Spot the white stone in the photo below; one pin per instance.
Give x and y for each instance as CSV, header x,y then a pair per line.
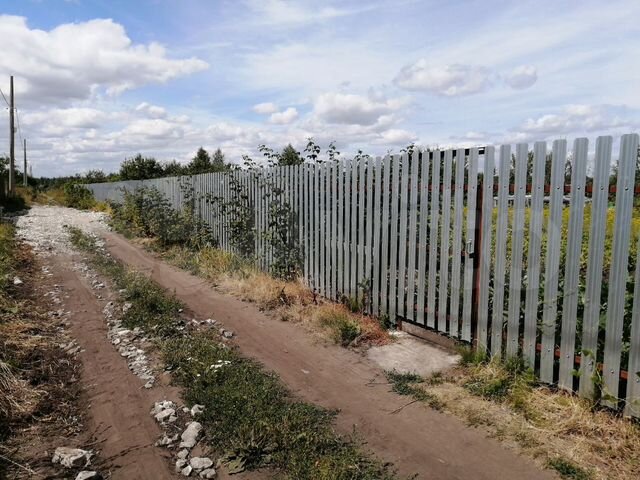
x,y
183,454
165,414
180,464
88,475
197,410
190,435
208,473
72,457
200,463
186,471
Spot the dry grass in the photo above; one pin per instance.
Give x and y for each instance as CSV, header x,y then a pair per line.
x,y
287,300
558,429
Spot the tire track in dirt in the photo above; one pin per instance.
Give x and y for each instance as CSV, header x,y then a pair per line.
x,y
416,439
118,405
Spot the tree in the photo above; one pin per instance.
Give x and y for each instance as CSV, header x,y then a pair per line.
x,y
172,169
95,176
290,156
140,168
201,163
217,162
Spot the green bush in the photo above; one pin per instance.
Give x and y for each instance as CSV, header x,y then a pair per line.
x,y
77,195
146,212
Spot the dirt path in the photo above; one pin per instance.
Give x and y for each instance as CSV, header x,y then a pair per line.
x,y
118,404
118,424
416,439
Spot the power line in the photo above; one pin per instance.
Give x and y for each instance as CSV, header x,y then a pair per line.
x,y
19,129
5,98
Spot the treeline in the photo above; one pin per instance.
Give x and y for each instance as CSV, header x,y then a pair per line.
x,y
135,168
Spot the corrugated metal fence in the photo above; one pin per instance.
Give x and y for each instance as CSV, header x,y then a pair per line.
x,y
522,253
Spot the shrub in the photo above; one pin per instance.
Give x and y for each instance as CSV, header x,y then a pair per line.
x,y
78,196
146,212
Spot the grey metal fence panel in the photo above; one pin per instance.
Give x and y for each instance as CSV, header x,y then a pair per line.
x,y
500,253
393,250
376,252
486,227
402,241
572,265
433,239
467,292
422,240
632,399
353,236
445,242
533,254
385,227
517,244
552,263
411,244
593,289
361,231
456,245
619,267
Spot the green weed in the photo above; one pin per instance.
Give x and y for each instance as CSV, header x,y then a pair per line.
x,y
568,469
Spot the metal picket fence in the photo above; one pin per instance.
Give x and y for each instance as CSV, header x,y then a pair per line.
x,y
521,252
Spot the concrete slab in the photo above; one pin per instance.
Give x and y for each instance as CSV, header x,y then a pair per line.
x,y
409,354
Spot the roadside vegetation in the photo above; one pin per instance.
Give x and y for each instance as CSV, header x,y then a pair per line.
x,y
561,431
250,418
178,237
39,390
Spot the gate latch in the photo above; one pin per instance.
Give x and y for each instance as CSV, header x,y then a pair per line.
x,y
470,248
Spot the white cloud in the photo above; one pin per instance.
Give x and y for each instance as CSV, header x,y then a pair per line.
x,y
522,77
396,136
285,117
286,13
265,108
152,111
351,109
447,80
76,60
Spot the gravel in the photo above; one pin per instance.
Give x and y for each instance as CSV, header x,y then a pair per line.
x,y
43,227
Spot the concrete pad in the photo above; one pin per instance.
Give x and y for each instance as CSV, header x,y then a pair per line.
x,y
409,354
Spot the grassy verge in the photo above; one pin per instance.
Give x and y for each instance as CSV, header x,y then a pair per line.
x,y
251,419
38,380
287,300
560,431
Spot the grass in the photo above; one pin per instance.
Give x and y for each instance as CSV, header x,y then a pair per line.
x,y
251,419
567,469
287,300
560,431
409,384
39,390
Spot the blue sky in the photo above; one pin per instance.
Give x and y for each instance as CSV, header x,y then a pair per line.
x,y
98,81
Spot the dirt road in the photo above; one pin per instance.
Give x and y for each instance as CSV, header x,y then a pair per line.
x,y
118,425
416,439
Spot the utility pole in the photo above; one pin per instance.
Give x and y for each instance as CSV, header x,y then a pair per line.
x,y
12,146
24,176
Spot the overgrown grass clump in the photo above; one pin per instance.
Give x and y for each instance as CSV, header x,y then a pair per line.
x,y
254,421
569,470
412,385
250,417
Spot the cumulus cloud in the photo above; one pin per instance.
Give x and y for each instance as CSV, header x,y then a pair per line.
x,y
446,80
74,60
285,117
265,108
351,109
522,77
152,111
